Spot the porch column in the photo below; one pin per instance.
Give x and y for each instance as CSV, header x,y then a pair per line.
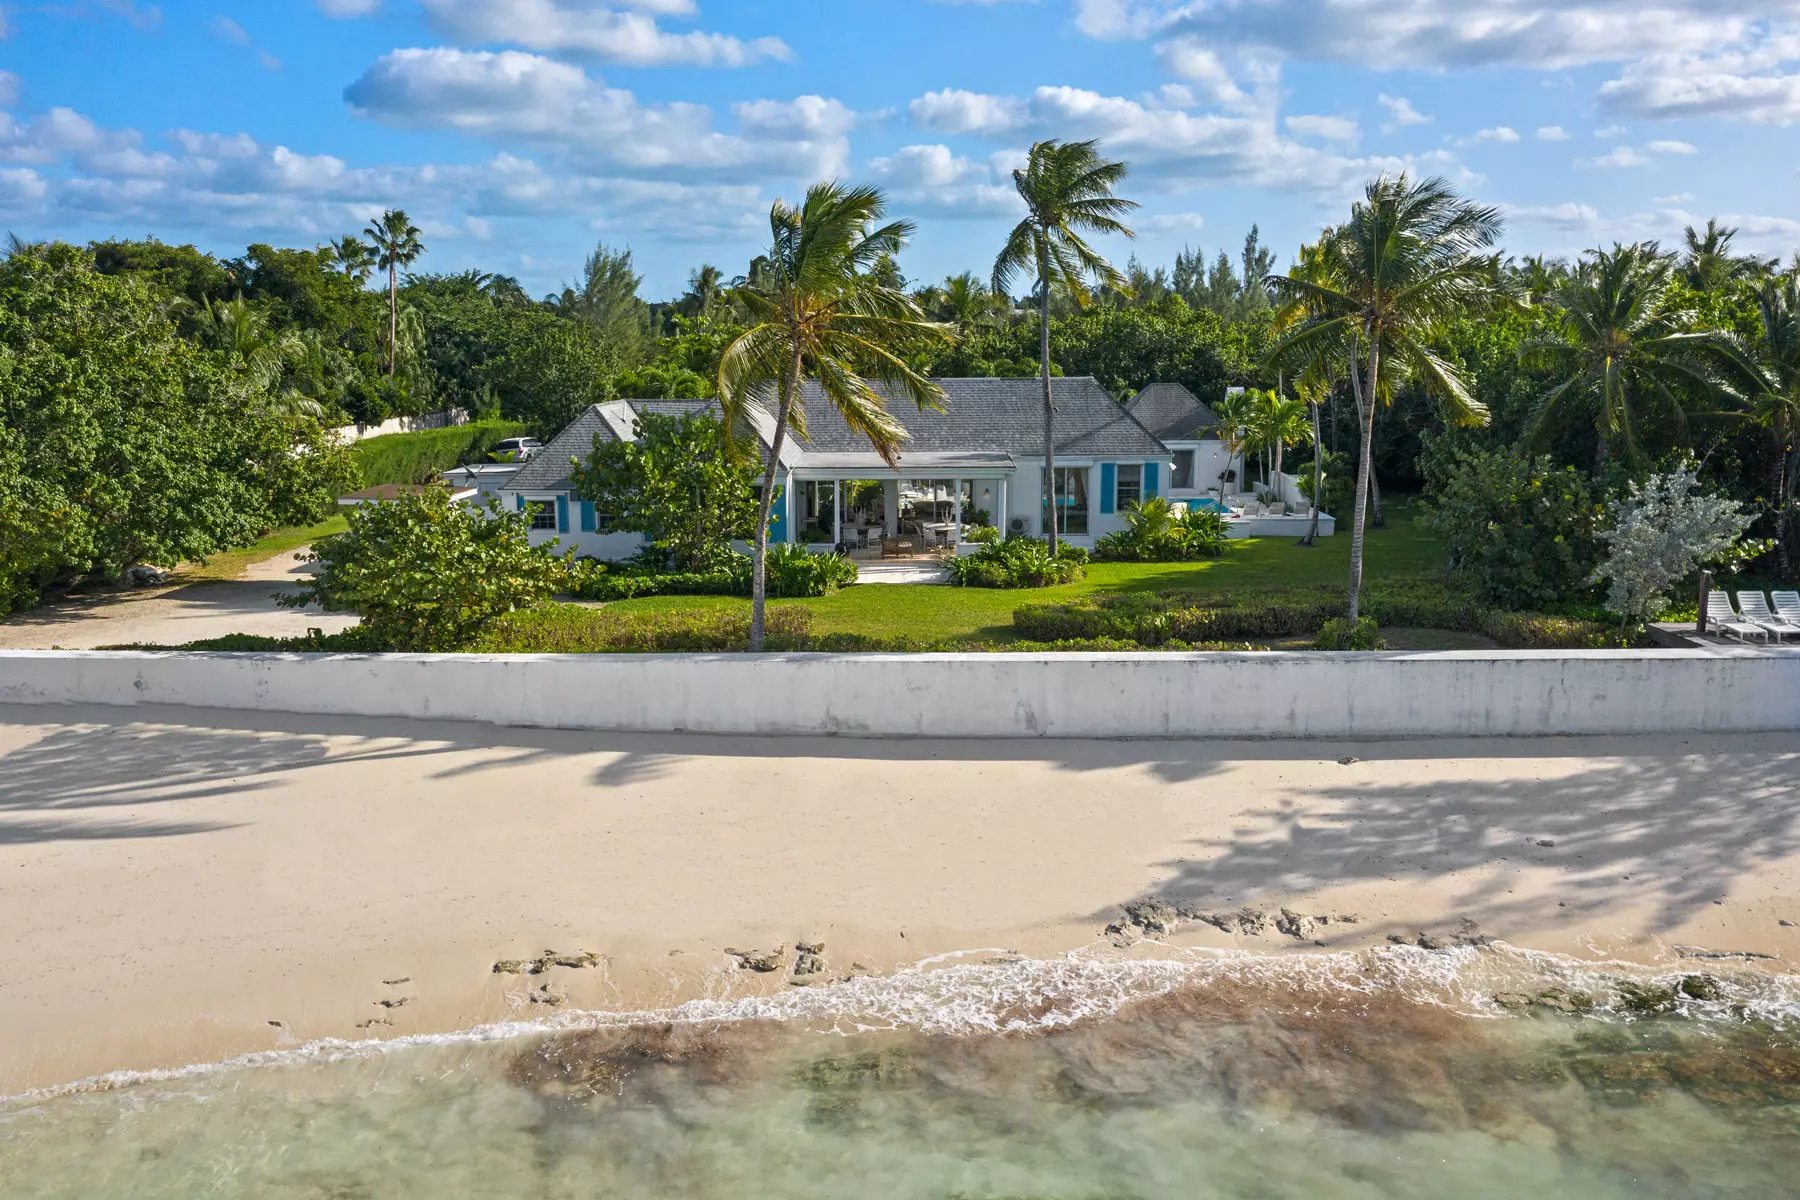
x,y
956,516
890,503
1003,518
837,513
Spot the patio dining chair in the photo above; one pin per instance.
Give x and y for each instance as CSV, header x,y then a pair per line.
x,y
1755,609
1724,618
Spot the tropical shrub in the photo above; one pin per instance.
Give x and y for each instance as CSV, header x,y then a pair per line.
x,y
795,572
982,535
679,485
1019,562
1341,633
1340,483
606,584
426,573
1155,532
1661,533
1521,530
576,629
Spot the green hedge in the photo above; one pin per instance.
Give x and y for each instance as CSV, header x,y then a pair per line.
x,y
1158,619
573,629
416,457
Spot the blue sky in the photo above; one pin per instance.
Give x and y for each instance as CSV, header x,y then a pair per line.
x,y
519,132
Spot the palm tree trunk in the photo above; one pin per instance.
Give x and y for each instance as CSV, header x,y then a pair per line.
x,y
1368,455
1783,555
1364,470
1318,488
394,319
1049,403
759,554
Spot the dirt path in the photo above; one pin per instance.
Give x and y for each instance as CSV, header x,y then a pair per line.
x,y
173,616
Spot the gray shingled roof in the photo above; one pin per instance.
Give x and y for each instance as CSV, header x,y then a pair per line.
x,y
1172,412
1005,415
549,471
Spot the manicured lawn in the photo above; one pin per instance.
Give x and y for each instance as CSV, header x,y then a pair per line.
x,y
232,563
1405,549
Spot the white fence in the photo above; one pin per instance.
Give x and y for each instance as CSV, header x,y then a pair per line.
x,y
442,419
1390,694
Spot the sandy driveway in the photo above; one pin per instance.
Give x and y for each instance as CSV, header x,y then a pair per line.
x,y
175,882
173,616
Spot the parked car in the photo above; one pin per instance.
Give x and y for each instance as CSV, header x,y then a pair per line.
x,y
519,449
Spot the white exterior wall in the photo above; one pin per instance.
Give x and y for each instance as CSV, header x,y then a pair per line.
x,y
1372,695
1210,460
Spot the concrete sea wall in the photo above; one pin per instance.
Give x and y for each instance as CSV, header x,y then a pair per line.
x,y
1392,694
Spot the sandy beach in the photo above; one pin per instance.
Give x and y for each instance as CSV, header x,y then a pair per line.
x,y
182,885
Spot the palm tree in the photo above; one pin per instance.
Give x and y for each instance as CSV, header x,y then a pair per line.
x,y
354,256
1710,264
1068,191
817,313
1625,351
1775,403
1235,413
1316,374
396,243
964,301
1411,259
1281,423
257,353
706,286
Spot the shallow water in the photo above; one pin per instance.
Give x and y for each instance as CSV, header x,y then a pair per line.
x,y
1385,1074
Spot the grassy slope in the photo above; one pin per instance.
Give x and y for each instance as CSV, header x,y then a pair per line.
x,y
1405,549
232,563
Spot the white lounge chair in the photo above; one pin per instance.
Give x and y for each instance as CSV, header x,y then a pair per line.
x,y
1720,616
1755,608
1787,605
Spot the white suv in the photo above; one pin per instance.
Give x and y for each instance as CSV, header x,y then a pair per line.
x,y
521,449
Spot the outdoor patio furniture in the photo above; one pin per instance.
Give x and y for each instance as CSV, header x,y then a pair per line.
x,y
1755,609
1787,605
1278,510
1723,618
904,546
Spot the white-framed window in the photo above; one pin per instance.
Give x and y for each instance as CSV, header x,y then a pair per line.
x,y
543,514
1130,489
1181,477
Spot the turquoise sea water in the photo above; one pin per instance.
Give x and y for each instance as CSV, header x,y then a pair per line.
x,y
1384,1074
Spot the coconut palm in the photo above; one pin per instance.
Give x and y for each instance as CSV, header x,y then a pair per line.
x,y
963,301
396,243
818,314
1710,264
258,354
1320,366
1775,400
1068,192
1281,423
706,287
1235,413
1626,351
1412,259
353,256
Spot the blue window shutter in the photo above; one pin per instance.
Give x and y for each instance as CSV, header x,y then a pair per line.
x,y
587,516
778,516
1152,478
1109,487
521,504
562,514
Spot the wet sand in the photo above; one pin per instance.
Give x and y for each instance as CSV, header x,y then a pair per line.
x,y
181,885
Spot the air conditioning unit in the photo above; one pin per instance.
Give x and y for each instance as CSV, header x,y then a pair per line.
x,y
1018,525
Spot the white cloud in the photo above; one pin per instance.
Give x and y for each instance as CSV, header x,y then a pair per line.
x,y
1173,222
1187,58
1499,133
1552,133
1618,156
577,27
1668,146
1754,80
1330,129
11,86
1610,131
344,9
1677,198
228,29
514,96
1400,112
1574,226
934,178
955,111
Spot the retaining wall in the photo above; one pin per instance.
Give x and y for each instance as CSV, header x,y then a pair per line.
x,y
1390,694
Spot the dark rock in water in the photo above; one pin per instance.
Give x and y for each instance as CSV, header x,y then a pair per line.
x,y
759,961
1152,915
402,1002
1564,1000
372,1022
1702,952
1427,941
1512,999
509,966
809,958
1244,920
1647,999
1295,924
1546,843
1700,987
1123,935
543,995
1348,760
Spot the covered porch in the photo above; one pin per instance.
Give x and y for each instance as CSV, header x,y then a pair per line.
x,y
859,505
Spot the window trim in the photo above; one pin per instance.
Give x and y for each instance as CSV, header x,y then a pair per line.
x,y
1121,488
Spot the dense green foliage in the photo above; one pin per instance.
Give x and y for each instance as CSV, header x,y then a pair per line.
x,y
1155,532
1521,530
121,442
418,457
426,573
1018,562
797,573
679,485
1341,633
